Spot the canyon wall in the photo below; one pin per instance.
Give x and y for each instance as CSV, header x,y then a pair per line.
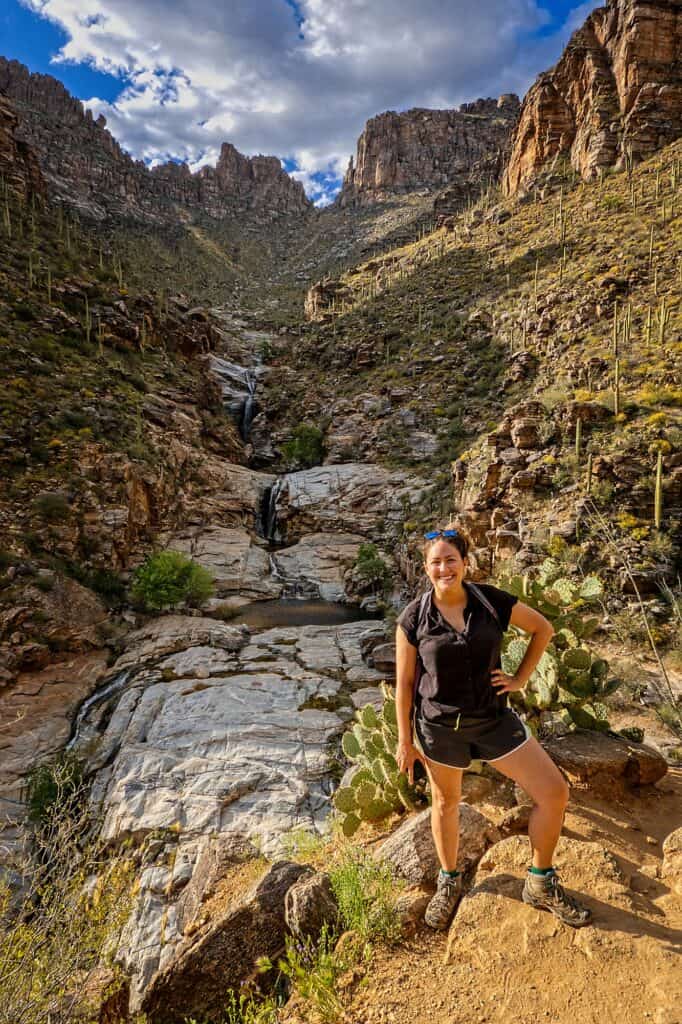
x,y
85,166
616,91
427,149
19,168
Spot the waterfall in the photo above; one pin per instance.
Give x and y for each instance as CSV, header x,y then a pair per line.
x,y
117,684
238,385
268,524
247,411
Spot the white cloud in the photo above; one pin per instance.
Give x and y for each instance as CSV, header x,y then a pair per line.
x,y
199,72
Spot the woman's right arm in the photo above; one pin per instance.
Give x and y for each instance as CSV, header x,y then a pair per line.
x,y
406,666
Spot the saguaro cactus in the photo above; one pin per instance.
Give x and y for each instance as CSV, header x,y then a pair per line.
x,y
658,493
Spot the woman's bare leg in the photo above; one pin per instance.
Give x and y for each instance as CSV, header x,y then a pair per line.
x,y
535,772
446,792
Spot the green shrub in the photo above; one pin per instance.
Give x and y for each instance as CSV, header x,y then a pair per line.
x,y
365,891
306,447
52,505
65,919
169,577
53,784
313,970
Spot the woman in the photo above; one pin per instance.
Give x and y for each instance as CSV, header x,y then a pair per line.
x,y
452,639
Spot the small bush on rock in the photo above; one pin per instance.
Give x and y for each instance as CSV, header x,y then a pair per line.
x,y
170,577
306,447
370,568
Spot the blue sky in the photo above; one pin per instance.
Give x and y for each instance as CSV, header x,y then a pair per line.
x,y
297,78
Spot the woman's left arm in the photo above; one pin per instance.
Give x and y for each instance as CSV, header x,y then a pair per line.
x,y
541,630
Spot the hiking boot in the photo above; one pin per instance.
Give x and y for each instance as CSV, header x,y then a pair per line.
x,y
442,906
548,894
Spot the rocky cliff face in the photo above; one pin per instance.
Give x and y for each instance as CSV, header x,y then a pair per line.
x,y
18,165
616,90
426,149
85,166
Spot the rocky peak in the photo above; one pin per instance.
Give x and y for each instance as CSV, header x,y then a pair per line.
x,y
426,149
617,89
85,166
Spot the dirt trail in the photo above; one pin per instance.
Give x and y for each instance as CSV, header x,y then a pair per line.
x,y
506,962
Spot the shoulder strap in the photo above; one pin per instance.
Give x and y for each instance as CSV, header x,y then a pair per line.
x,y
485,602
421,616
423,604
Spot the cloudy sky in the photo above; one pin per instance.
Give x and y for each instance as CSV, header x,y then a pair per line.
x,y
295,78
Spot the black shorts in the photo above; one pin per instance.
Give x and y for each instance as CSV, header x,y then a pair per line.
x,y
484,739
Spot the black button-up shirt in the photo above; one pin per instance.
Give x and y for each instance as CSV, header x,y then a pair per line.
x,y
456,667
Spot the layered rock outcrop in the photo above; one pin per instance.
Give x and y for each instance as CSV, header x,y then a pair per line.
x,y
616,91
427,149
85,166
18,165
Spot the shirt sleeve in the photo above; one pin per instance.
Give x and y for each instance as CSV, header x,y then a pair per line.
x,y
407,620
502,601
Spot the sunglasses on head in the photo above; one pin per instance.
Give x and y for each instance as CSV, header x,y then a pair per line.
x,y
440,533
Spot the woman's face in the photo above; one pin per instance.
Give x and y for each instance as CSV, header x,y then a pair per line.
x,y
445,567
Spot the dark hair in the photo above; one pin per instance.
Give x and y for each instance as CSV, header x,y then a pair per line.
x,y
462,541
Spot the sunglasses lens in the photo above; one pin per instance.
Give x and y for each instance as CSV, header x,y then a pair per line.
x,y
450,533
432,535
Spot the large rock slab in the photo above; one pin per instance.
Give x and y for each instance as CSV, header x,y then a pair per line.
x,y
412,853
603,761
36,714
212,731
547,970
622,66
349,498
316,565
224,953
239,567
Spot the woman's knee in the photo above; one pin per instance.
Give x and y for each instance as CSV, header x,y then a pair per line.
x,y
445,802
556,793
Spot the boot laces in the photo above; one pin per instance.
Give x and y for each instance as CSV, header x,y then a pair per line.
x,y
560,895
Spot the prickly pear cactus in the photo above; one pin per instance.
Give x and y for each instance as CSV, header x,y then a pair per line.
x,y
570,680
378,787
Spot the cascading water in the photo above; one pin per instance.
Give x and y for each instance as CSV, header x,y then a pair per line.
x,y
110,689
238,385
268,516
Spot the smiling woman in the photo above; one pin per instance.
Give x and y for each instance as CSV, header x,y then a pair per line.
x,y
452,691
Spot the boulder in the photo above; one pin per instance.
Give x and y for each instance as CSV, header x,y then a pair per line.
x,y
410,908
224,953
310,904
671,870
604,762
411,852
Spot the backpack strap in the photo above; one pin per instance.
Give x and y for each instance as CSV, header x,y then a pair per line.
x,y
421,617
485,602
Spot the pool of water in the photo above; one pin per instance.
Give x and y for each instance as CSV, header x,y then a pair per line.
x,y
294,612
